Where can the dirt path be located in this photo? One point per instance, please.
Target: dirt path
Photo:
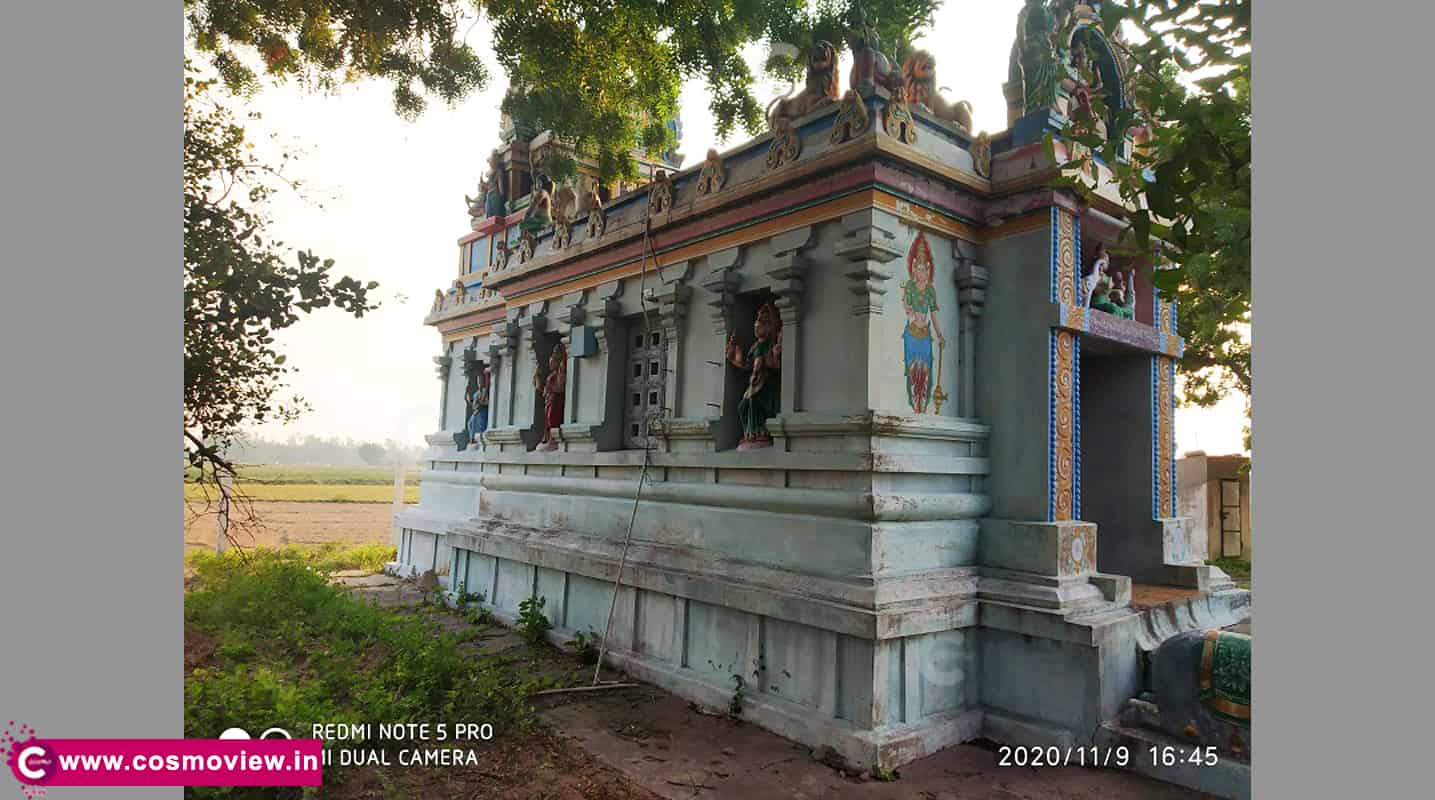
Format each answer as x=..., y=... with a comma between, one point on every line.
x=299, y=523
x=646, y=743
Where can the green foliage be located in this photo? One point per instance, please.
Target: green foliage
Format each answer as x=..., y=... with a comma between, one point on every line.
x=605, y=76
x=414, y=44
x=1195, y=177
x=586, y=646
x=532, y=623
x=465, y=596
x=293, y=650
x=326, y=558
x=1238, y=568
x=881, y=773
x=240, y=287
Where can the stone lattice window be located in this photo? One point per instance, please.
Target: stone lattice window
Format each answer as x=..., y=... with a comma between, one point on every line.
x=644, y=384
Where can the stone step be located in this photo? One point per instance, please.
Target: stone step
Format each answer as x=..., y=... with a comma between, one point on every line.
x=1167, y=759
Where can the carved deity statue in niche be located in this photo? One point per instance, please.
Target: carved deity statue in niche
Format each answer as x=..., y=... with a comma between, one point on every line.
x=478, y=406
x=763, y=398
x=1122, y=297
x=553, y=384
x=1106, y=291
x=919, y=300
x=1095, y=276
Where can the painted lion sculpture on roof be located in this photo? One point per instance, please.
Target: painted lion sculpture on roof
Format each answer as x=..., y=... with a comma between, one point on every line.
x=821, y=88
x=919, y=80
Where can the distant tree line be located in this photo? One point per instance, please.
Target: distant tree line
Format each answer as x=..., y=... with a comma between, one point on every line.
x=315, y=450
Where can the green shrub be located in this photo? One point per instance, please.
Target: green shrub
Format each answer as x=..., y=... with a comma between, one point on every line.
x=293, y=650
x=532, y=623
x=586, y=646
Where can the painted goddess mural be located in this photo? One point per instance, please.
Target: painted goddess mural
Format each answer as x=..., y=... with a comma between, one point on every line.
x=919, y=299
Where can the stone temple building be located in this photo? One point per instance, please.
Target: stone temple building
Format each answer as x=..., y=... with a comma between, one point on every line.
x=901, y=467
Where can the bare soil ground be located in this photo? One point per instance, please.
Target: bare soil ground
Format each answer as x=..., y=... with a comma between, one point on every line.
x=646, y=743
x=298, y=523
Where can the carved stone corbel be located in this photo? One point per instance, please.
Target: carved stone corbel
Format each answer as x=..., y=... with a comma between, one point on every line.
x=722, y=280
x=869, y=241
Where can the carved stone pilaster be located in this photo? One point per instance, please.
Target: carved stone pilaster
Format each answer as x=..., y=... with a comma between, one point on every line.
x=788, y=270
x=670, y=302
x=723, y=278
x=971, y=298
x=606, y=318
x=869, y=241
x=502, y=346
x=443, y=364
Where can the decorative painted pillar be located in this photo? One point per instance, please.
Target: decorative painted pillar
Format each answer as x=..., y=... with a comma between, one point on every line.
x=1064, y=424
x=788, y=268
x=1163, y=412
x=971, y=298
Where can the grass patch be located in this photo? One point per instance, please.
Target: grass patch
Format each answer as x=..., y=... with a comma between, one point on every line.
x=326, y=558
x=286, y=648
x=307, y=492
x=281, y=474
x=1238, y=568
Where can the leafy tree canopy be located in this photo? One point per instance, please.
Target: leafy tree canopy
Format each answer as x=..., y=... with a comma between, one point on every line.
x=602, y=75
x=1193, y=178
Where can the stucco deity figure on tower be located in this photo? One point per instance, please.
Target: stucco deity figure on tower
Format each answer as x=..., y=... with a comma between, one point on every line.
x=1036, y=31
x=1123, y=295
x=1094, y=275
x=763, y=398
x=870, y=68
x=1087, y=87
x=919, y=299
x=553, y=384
x=540, y=209
x=494, y=201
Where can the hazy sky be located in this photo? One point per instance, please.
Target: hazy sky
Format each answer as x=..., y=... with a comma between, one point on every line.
x=385, y=201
